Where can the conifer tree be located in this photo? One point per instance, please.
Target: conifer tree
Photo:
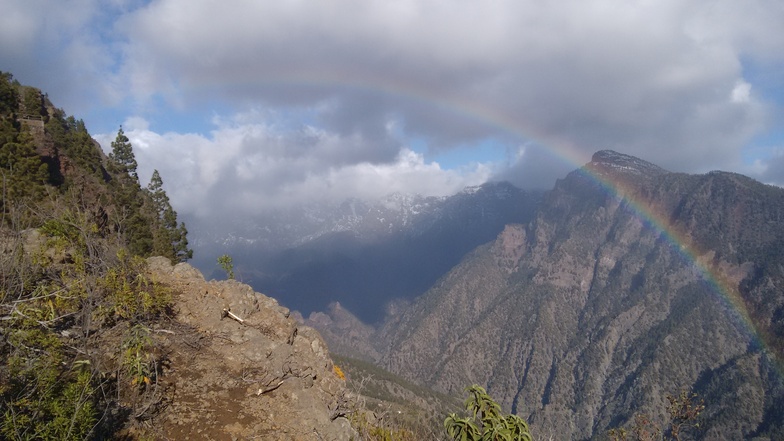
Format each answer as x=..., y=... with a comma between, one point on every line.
x=22, y=172
x=180, y=243
x=133, y=222
x=122, y=155
x=158, y=195
x=169, y=238
x=8, y=94
x=33, y=102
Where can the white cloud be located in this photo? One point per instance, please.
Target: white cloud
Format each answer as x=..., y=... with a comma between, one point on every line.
x=642, y=77
x=770, y=168
x=64, y=47
x=344, y=84
x=741, y=93
x=249, y=167
x=136, y=123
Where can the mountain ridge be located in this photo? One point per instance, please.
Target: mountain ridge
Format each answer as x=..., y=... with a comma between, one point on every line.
x=366, y=219
x=394, y=248
x=588, y=313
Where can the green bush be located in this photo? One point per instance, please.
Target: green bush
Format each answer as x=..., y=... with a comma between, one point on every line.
x=486, y=422
x=137, y=357
x=225, y=261
x=130, y=294
x=42, y=400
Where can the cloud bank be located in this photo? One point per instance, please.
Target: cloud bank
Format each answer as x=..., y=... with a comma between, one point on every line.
x=248, y=167
x=337, y=97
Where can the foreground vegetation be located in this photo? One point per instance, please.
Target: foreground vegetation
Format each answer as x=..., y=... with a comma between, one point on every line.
x=392, y=408
x=77, y=349
x=486, y=422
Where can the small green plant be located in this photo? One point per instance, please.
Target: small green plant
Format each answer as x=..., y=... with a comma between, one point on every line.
x=42, y=398
x=486, y=422
x=129, y=293
x=136, y=357
x=227, y=264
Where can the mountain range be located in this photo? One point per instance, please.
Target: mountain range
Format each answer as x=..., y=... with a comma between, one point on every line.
x=629, y=283
x=577, y=309
x=367, y=255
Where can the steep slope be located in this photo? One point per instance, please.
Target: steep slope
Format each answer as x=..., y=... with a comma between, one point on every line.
x=98, y=343
x=589, y=314
x=263, y=377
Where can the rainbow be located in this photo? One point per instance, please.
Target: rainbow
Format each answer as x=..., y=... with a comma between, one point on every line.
x=391, y=87
x=720, y=283
x=681, y=242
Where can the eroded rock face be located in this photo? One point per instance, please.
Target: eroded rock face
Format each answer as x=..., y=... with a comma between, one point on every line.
x=263, y=377
x=588, y=315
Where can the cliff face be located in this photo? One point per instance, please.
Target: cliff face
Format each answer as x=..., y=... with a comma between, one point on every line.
x=589, y=314
x=265, y=377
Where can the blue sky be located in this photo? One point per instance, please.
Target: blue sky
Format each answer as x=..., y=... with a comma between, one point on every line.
x=253, y=105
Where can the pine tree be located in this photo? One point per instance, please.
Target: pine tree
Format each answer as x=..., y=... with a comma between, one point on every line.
x=33, y=102
x=74, y=141
x=122, y=155
x=158, y=195
x=133, y=222
x=9, y=99
x=180, y=243
x=170, y=240
x=22, y=172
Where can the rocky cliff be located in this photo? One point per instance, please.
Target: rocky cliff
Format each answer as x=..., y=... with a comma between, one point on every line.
x=237, y=367
x=630, y=283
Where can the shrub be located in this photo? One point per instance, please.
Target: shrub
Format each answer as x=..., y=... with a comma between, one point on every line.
x=225, y=261
x=486, y=422
x=42, y=400
x=130, y=294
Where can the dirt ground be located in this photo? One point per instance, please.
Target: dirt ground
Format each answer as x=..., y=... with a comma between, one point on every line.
x=237, y=367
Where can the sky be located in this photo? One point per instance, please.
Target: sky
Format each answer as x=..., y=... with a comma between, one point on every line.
x=248, y=106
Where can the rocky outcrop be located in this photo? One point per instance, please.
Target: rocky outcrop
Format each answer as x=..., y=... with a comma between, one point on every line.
x=240, y=368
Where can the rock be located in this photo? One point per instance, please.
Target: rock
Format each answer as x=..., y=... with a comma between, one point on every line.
x=262, y=378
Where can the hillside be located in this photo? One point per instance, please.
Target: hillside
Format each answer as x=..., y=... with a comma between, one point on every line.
x=97, y=342
x=591, y=312
x=259, y=376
